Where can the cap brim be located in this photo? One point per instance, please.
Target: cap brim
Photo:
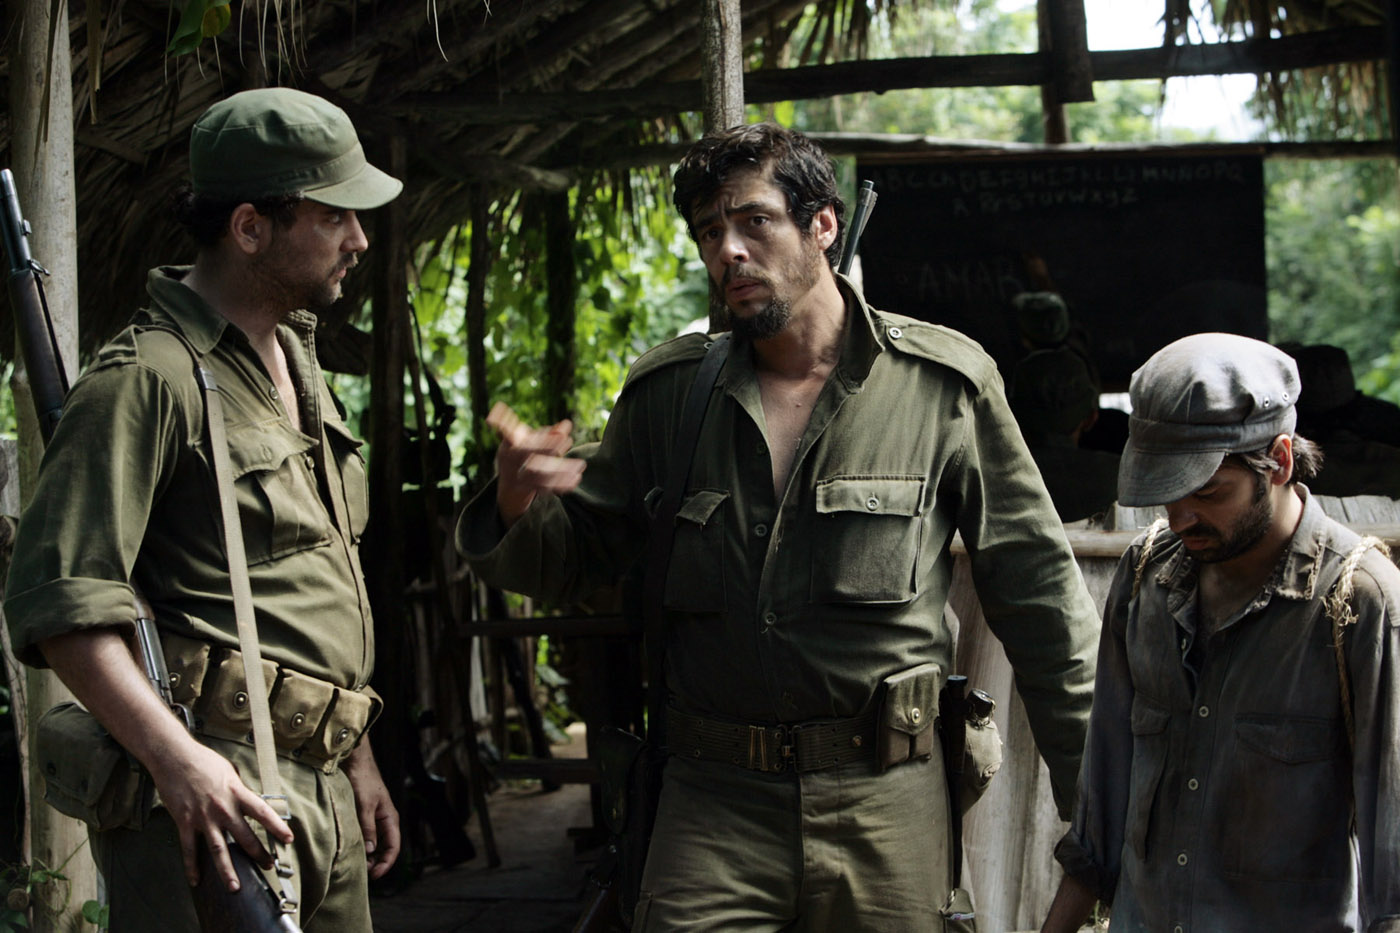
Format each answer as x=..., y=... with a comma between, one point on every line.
x=1148, y=478
x=365, y=190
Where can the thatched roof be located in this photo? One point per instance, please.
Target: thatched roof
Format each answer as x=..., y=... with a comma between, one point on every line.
x=449, y=77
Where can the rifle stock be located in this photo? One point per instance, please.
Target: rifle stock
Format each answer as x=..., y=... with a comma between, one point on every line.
x=217, y=907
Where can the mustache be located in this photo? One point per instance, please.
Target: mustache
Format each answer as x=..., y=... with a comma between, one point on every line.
x=1200, y=531
x=741, y=272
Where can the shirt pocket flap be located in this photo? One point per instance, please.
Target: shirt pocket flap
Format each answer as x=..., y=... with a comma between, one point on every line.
x=263, y=447
x=698, y=508
x=1148, y=719
x=341, y=432
x=911, y=699
x=1289, y=739
x=877, y=495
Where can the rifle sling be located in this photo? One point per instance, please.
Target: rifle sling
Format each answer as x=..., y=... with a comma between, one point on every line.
x=663, y=533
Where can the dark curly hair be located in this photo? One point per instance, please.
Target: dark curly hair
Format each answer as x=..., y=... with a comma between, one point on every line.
x=799, y=167
x=206, y=219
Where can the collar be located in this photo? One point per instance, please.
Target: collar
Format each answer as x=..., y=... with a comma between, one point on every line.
x=175, y=303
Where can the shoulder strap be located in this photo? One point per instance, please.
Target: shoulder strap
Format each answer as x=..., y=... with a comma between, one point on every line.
x=1337, y=604
x=1153, y=530
x=268, y=777
x=663, y=533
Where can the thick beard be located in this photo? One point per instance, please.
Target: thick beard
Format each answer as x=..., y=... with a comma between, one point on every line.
x=1243, y=534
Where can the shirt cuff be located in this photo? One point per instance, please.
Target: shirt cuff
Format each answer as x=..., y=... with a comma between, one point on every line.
x=1078, y=864
x=63, y=606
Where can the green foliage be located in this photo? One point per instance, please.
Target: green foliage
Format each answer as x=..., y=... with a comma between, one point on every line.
x=1334, y=262
x=200, y=19
x=99, y=915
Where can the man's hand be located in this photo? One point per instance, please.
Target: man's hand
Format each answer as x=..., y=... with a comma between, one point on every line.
x=530, y=461
x=206, y=798
x=1071, y=908
x=200, y=788
x=379, y=820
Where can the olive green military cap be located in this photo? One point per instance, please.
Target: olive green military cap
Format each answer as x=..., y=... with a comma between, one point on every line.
x=274, y=141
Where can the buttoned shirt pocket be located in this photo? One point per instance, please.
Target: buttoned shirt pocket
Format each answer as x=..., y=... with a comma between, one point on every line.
x=345, y=448
x=1289, y=785
x=868, y=534
x=1149, y=725
x=274, y=483
x=695, y=580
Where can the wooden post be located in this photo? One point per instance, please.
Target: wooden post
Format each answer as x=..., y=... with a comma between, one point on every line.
x=722, y=64
x=478, y=269
x=1051, y=105
x=1392, y=35
x=1069, y=50
x=41, y=150
x=383, y=546
x=561, y=275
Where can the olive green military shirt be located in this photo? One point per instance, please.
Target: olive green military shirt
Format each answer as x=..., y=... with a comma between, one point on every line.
x=784, y=609
x=126, y=492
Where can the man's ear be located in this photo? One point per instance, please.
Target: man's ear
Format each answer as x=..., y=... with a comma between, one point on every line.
x=1281, y=450
x=824, y=226
x=248, y=230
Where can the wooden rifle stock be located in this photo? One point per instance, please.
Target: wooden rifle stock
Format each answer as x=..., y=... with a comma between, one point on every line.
x=254, y=908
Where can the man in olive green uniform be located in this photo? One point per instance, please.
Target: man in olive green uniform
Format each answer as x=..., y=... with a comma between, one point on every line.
x=841, y=450
x=127, y=495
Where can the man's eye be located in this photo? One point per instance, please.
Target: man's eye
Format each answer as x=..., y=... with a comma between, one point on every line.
x=758, y=220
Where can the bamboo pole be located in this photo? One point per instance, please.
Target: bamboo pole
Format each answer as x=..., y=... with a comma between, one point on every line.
x=41, y=111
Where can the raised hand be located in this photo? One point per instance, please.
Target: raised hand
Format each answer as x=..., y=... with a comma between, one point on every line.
x=530, y=461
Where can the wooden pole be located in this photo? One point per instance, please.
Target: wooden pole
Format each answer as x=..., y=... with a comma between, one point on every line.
x=1069, y=50
x=722, y=64
x=41, y=148
x=561, y=275
x=1051, y=105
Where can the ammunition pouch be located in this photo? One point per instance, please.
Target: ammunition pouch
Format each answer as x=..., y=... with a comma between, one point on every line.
x=87, y=775
x=313, y=721
x=907, y=714
x=630, y=786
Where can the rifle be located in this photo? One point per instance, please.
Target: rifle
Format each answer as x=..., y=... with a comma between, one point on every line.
x=254, y=907
x=865, y=203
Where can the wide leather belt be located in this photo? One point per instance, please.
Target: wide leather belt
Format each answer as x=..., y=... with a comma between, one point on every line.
x=804, y=746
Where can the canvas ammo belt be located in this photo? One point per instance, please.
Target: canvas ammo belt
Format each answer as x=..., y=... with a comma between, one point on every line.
x=803, y=746
x=314, y=722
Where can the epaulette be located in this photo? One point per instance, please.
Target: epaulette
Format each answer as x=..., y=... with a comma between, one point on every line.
x=159, y=349
x=940, y=345
x=682, y=349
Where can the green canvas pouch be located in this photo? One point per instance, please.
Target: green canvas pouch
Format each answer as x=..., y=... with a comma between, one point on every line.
x=907, y=715
x=87, y=775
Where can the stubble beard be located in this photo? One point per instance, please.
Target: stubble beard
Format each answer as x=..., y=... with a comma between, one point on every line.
x=774, y=317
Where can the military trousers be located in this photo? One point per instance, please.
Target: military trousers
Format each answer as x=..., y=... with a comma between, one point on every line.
x=847, y=848
x=145, y=875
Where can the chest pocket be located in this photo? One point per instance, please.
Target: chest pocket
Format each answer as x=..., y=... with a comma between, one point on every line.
x=275, y=485
x=345, y=447
x=868, y=535
x=695, y=579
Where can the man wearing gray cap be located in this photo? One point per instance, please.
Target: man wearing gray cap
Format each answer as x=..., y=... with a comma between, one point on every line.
x=127, y=495
x=1243, y=759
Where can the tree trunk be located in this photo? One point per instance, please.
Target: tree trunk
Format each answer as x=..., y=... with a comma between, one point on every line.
x=722, y=65
x=41, y=148
x=562, y=276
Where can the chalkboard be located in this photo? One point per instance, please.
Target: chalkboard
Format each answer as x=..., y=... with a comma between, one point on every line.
x=1143, y=248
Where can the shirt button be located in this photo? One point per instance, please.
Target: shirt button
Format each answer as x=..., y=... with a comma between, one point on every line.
x=1203, y=712
x=759, y=448
x=770, y=618
x=896, y=333
x=1181, y=859
x=760, y=530
x=1193, y=784
x=872, y=503
x=1178, y=929
x=1183, y=644
x=272, y=391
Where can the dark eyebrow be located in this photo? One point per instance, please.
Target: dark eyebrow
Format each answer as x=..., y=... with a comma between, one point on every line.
x=748, y=207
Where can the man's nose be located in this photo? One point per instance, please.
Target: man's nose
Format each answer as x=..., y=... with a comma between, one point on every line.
x=355, y=240
x=733, y=248
x=1180, y=516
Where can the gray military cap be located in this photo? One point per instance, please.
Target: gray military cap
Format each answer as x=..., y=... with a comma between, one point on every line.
x=1196, y=401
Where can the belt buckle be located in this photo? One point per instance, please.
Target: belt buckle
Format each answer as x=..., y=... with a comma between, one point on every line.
x=783, y=754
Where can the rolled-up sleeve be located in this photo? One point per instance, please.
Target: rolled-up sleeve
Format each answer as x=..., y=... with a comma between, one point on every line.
x=78, y=538
x=1029, y=585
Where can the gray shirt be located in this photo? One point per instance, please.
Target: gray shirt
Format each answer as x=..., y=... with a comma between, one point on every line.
x=1218, y=784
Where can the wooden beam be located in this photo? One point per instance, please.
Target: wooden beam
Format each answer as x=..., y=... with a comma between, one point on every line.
x=1251, y=56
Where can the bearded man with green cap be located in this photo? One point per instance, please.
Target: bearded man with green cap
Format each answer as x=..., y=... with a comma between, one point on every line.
x=1242, y=771
x=127, y=495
